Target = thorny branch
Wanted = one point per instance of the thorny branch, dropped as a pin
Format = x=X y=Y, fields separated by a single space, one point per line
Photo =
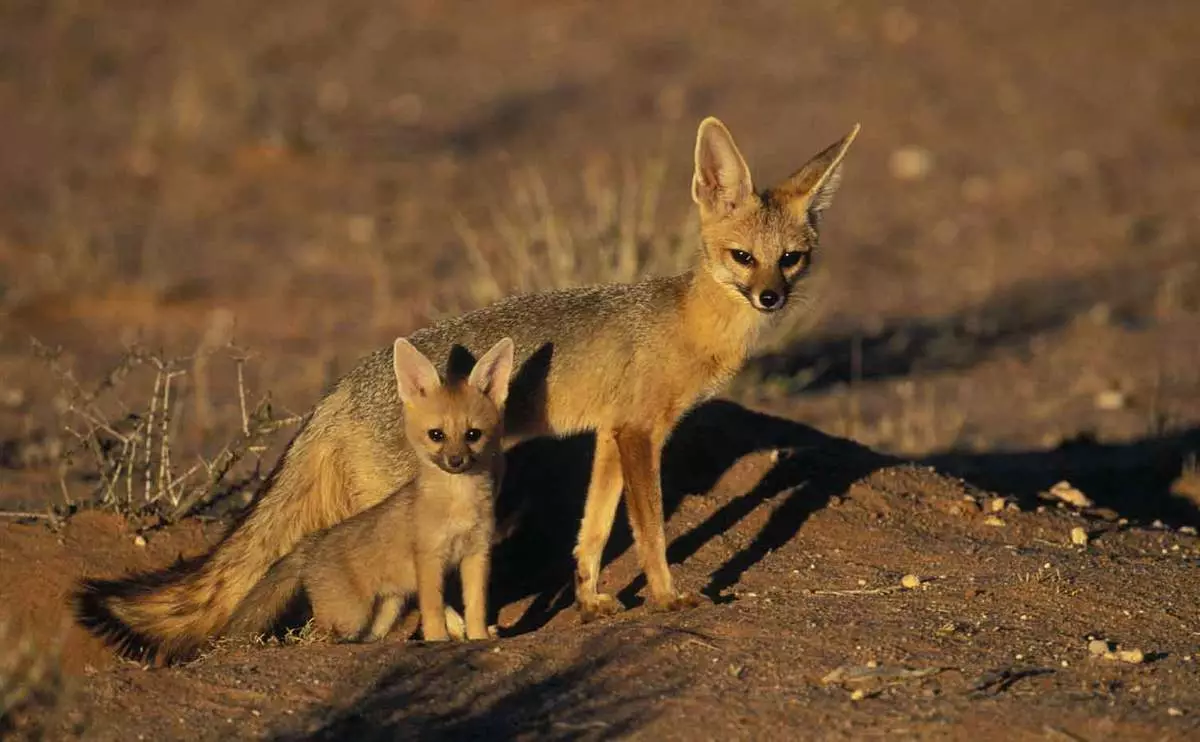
x=126 y=446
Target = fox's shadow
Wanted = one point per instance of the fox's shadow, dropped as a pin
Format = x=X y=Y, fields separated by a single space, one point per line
x=547 y=479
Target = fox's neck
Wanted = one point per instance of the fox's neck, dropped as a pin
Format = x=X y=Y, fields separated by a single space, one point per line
x=719 y=323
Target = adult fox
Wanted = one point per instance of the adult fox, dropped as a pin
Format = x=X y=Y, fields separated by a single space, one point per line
x=625 y=361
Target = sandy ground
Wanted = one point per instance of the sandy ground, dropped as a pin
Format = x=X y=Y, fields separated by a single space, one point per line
x=1011 y=299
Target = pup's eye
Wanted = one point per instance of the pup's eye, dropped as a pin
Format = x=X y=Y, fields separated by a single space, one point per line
x=741 y=257
x=474 y=434
x=790 y=259
x=437 y=435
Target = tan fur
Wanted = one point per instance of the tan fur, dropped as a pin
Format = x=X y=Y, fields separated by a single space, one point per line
x=626 y=361
x=359 y=574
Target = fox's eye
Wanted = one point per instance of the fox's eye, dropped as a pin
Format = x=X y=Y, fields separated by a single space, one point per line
x=437 y=435
x=474 y=434
x=790 y=259
x=741 y=257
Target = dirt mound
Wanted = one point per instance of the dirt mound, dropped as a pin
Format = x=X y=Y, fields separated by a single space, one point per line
x=810 y=625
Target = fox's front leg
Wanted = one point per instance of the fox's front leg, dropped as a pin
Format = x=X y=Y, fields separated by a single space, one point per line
x=431 y=572
x=600 y=508
x=474 y=573
x=641 y=456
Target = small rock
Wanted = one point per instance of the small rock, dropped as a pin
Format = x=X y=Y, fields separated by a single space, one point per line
x=1172 y=711
x=992 y=520
x=1109 y=400
x=1064 y=491
x=1188 y=530
x=997 y=504
x=910 y=163
x=910 y=582
x=1079 y=536
x=857 y=694
x=1132 y=656
x=1158 y=524
x=139 y=540
x=1097 y=647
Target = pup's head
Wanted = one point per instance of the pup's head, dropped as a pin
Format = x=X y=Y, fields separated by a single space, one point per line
x=760 y=245
x=455 y=426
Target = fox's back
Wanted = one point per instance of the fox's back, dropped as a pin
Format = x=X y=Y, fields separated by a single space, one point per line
x=584 y=341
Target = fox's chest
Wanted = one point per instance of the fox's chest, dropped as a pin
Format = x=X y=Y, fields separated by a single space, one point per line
x=458 y=509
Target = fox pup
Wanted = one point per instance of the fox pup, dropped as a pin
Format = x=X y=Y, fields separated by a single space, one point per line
x=623 y=361
x=359 y=574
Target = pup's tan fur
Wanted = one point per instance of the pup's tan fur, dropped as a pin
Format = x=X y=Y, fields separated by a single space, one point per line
x=625 y=361
x=360 y=573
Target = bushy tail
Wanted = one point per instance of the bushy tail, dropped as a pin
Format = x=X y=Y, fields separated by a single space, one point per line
x=270 y=596
x=169 y=616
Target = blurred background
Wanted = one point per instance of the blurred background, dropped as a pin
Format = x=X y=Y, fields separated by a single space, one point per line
x=205 y=203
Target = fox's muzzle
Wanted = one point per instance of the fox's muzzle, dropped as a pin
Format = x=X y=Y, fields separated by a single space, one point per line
x=766 y=300
x=455 y=462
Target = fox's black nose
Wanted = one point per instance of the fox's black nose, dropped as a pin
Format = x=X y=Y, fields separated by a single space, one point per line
x=455 y=462
x=769 y=298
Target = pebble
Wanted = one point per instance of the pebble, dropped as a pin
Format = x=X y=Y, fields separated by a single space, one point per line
x=1109 y=400
x=997 y=504
x=1132 y=656
x=910 y=582
x=1079 y=536
x=1102 y=649
x=1097 y=647
x=139 y=540
x=1172 y=711
x=992 y=520
x=1066 y=492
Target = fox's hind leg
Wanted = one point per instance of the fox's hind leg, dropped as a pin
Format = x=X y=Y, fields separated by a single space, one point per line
x=599 y=510
x=387 y=610
x=341 y=612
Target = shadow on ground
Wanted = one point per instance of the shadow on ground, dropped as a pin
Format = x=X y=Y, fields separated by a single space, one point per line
x=465 y=692
x=960 y=340
x=550 y=477
x=1132 y=479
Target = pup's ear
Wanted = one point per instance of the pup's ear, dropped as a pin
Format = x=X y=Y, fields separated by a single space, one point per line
x=493 y=371
x=416 y=377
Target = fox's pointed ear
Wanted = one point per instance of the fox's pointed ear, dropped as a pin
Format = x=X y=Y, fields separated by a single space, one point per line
x=416 y=377
x=810 y=189
x=493 y=371
x=721 y=181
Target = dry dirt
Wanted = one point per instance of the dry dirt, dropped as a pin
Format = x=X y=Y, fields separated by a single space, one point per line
x=1012 y=299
